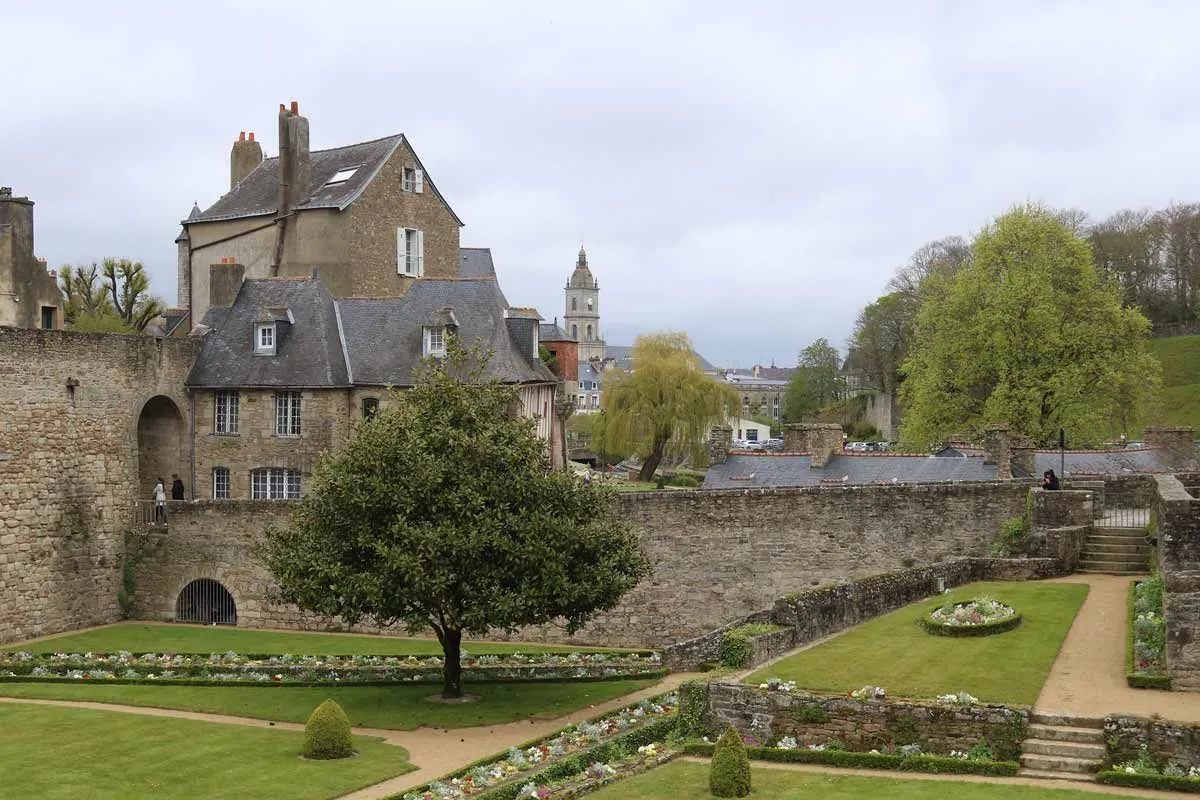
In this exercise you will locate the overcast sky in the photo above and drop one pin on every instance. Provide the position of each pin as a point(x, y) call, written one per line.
point(750, 173)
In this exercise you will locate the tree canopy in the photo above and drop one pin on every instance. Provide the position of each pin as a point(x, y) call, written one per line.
point(112, 297)
point(666, 404)
point(1025, 332)
point(817, 382)
point(442, 513)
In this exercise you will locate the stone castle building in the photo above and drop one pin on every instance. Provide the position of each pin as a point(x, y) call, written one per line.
point(29, 295)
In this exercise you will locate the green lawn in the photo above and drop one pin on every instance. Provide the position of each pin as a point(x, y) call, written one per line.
point(685, 780)
point(76, 753)
point(894, 652)
point(1180, 359)
point(393, 707)
point(142, 638)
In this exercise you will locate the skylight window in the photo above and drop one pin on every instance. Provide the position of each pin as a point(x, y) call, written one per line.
point(343, 175)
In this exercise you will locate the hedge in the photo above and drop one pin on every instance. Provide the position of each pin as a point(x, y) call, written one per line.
point(885, 761)
point(1132, 678)
point(1161, 782)
point(982, 629)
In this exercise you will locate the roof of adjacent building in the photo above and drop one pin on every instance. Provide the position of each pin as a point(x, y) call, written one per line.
point(258, 193)
point(590, 372)
point(551, 332)
point(476, 262)
point(384, 337)
point(623, 356)
point(308, 351)
point(748, 470)
point(772, 372)
point(752, 382)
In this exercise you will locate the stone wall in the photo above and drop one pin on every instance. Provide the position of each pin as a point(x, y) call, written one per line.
point(69, 409)
point(864, 725)
point(1129, 491)
point(1167, 742)
point(1177, 516)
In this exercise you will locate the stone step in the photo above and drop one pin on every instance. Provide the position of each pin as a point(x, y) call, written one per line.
point(1110, 535)
point(1066, 733)
point(1119, 573)
point(1139, 549)
point(1112, 530)
point(1065, 720)
point(1081, 766)
point(1114, 566)
point(1087, 751)
point(1052, 775)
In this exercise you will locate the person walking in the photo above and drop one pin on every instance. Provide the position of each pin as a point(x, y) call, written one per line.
point(160, 502)
point(176, 488)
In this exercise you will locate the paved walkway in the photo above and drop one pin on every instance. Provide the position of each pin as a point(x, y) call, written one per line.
point(435, 751)
point(1088, 677)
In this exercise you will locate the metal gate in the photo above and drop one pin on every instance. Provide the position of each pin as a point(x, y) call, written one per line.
point(206, 601)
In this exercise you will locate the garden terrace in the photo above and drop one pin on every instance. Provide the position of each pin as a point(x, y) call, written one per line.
point(894, 650)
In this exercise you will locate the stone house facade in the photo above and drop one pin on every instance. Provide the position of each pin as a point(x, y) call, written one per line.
point(29, 295)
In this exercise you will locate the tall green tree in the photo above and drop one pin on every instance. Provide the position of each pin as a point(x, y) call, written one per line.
point(881, 338)
point(442, 513)
point(112, 297)
point(1026, 333)
point(817, 382)
point(666, 404)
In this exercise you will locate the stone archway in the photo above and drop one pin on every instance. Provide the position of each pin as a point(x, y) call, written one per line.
point(160, 445)
point(206, 601)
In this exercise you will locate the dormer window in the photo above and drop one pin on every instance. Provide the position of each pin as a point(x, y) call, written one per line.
point(435, 341)
point(264, 339)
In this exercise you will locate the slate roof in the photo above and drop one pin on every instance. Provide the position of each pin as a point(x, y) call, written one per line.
point(589, 372)
point(743, 471)
point(384, 337)
point(308, 352)
point(623, 355)
point(258, 193)
point(476, 262)
point(551, 332)
point(1103, 462)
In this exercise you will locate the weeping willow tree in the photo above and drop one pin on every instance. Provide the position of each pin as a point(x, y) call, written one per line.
point(665, 406)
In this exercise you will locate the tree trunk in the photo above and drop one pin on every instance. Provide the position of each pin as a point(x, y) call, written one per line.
point(451, 639)
point(653, 460)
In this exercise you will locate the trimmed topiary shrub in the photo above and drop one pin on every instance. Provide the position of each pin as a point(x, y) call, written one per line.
point(327, 733)
point(729, 774)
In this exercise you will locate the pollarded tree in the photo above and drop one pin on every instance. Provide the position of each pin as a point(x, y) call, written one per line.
point(120, 303)
point(1026, 333)
point(442, 513)
point(666, 403)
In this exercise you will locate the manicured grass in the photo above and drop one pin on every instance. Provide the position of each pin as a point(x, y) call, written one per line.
point(894, 652)
point(76, 753)
point(682, 780)
point(141, 638)
point(393, 707)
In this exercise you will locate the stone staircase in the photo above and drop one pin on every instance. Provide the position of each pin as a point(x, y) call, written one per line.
point(1062, 748)
point(1117, 544)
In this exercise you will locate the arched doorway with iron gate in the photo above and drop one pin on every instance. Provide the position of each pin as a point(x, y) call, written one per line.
point(207, 602)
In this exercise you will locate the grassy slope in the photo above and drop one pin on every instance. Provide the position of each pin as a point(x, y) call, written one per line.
point(689, 781)
point(396, 708)
point(893, 651)
point(73, 753)
point(1180, 358)
point(139, 638)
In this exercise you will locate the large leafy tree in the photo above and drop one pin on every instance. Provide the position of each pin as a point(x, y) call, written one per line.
point(816, 383)
point(442, 513)
point(1027, 333)
point(881, 338)
point(666, 404)
point(113, 296)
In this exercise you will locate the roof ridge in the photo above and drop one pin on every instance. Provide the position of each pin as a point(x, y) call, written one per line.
point(340, 147)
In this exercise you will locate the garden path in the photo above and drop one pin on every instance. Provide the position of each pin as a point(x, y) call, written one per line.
point(435, 751)
point(1088, 677)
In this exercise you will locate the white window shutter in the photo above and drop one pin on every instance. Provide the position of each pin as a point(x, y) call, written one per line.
point(419, 260)
point(401, 251)
point(419, 181)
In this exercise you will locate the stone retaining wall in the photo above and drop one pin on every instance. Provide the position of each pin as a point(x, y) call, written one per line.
point(1177, 518)
point(864, 725)
point(1167, 742)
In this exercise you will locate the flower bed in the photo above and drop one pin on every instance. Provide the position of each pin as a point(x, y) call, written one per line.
point(980, 617)
point(1146, 644)
point(568, 762)
point(225, 668)
point(1143, 773)
point(906, 758)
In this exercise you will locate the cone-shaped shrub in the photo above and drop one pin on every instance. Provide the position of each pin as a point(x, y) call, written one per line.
point(729, 775)
point(327, 732)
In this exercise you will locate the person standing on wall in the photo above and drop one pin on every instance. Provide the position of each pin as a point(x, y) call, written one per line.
point(176, 488)
point(160, 502)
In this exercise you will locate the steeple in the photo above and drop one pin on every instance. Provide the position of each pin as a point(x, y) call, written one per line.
point(581, 263)
point(582, 317)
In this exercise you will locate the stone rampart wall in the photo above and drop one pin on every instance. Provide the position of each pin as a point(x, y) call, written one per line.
point(1177, 517)
point(69, 408)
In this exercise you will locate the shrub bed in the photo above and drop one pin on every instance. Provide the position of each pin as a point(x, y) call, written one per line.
point(735, 649)
point(223, 669)
point(980, 617)
point(1139, 781)
point(887, 761)
point(1145, 642)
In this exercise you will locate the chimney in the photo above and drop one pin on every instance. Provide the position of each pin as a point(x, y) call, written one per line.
point(295, 168)
point(224, 281)
point(1177, 443)
point(17, 212)
point(246, 155)
point(719, 440)
point(819, 440)
point(997, 446)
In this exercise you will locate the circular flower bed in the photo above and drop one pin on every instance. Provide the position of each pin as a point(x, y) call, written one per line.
point(980, 617)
